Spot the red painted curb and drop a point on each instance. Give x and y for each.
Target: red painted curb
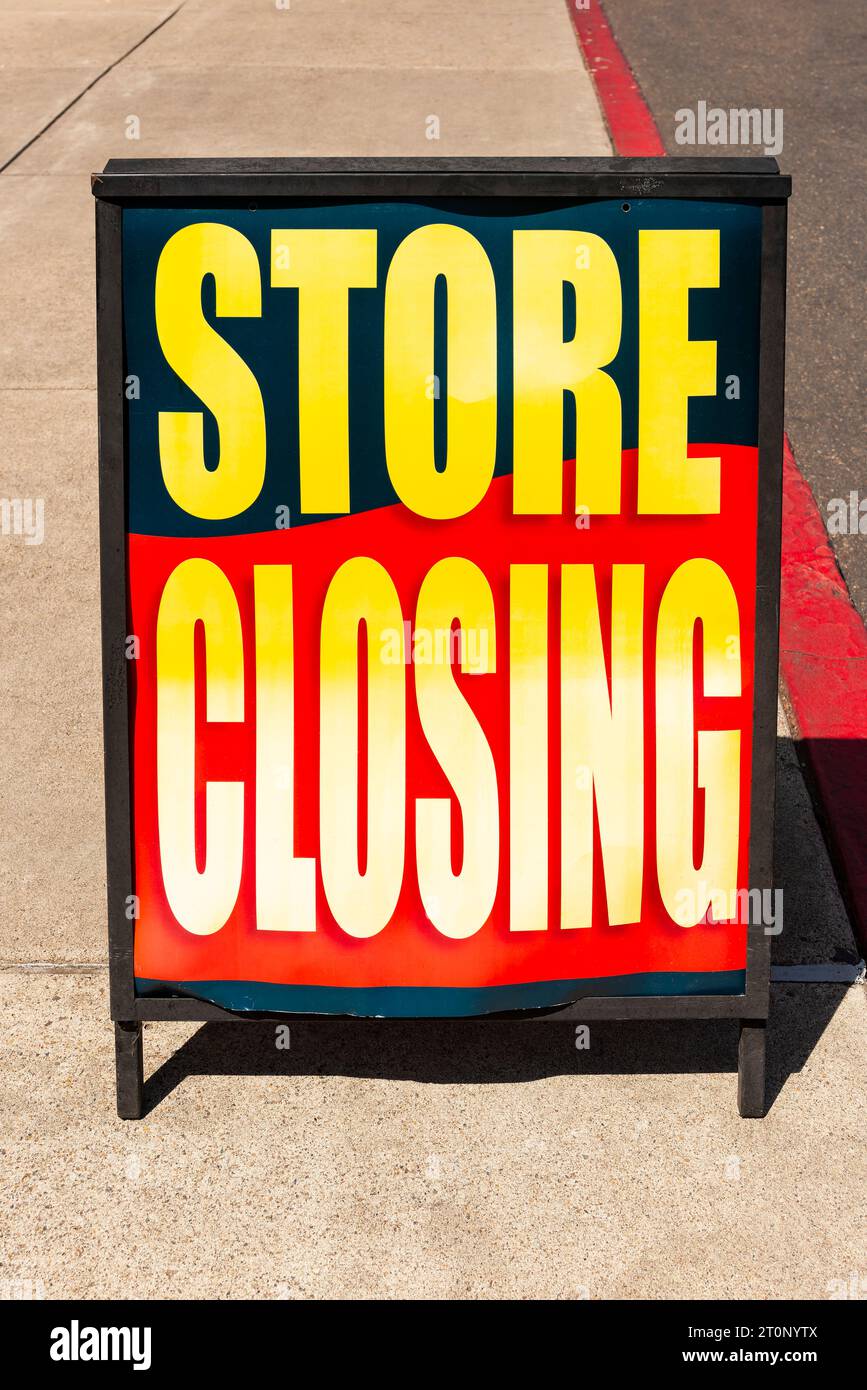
(823, 663)
(628, 117)
(823, 641)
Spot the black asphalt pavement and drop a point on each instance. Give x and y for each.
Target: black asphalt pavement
(807, 57)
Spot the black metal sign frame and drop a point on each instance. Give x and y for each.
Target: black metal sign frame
(126, 183)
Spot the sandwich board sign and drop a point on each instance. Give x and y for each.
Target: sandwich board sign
(440, 525)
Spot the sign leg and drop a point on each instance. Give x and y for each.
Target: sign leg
(129, 1062)
(751, 1068)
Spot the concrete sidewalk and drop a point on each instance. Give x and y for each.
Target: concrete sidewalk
(395, 1161)
(462, 1162)
(321, 77)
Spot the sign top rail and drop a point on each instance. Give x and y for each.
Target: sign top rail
(141, 179)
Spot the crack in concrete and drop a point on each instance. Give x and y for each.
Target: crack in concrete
(99, 76)
(51, 967)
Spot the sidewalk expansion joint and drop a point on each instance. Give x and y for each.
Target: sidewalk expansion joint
(52, 967)
(99, 76)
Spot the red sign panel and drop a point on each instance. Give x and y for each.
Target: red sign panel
(441, 599)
